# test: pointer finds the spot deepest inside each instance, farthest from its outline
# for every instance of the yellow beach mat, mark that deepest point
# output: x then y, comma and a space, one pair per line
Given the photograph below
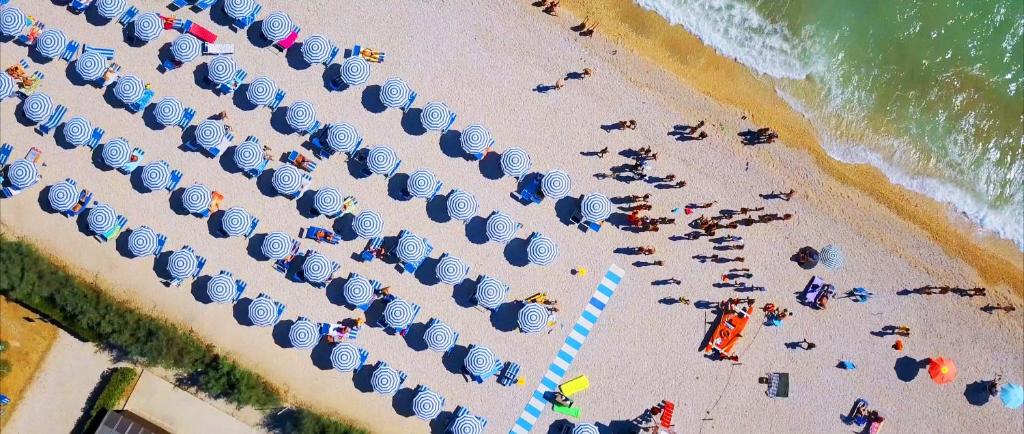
571, 387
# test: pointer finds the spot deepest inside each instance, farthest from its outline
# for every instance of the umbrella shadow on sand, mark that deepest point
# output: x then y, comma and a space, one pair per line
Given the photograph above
908, 367
977, 393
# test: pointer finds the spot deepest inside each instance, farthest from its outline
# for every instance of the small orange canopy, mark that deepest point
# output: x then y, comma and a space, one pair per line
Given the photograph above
941, 370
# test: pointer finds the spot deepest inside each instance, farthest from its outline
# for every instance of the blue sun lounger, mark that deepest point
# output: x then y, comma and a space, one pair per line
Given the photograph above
5, 154
137, 106
227, 88
202, 5
128, 16
95, 138
179, 4
79, 6
69, 51
175, 179
119, 225
373, 244
530, 193
246, 21
84, 199
161, 240
55, 119
133, 161
278, 99
186, 117
283, 265
107, 53
240, 286
509, 374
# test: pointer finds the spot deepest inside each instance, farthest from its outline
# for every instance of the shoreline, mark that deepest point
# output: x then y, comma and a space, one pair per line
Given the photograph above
644, 32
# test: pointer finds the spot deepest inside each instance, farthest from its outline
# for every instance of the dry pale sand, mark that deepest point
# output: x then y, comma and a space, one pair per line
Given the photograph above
484, 59
161, 402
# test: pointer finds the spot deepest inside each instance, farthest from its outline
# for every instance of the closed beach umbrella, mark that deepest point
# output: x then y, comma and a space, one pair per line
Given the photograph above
533, 318
287, 180
221, 69
236, 221
142, 241
316, 49
51, 43
148, 26
421, 183
129, 89
358, 290
385, 380
451, 270
77, 130
831, 256
394, 92
7, 86
355, 71
368, 224
263, 311
276, 26
345, 357
37, 107
411, 248
435, 116
556, 184
301, 115
398, 314
12, 21
261, 91
22, 174
156, 175
490, 292
541, 250
479, 361
475, 139
439, 336
102, 218
186, 48
1011, 395
276, 246
182, 264
237, 9
515, 162
596, 207
462, 205
382, 160
427, 404
342, 137
941, 370
501, 228
585, 428
111, 9
168, 111
467, 424
328, 201
221, 288
62, 196
303, 334
116, 153
90, 65
248, 155
317, 268
197, 198
210, 133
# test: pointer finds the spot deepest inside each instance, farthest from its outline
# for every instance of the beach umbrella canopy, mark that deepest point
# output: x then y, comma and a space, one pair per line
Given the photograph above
596, 207
12, 21
276, 26
490, 292
451, 270
345, 357
411, 248
221, 288
156, 175
475, 139
556, 184
129, 89
197, 198
1011, 395
501, 228
210, 133
316, 49
168, 111
427, 404
51, 43
148, 26
248, 155
941, 370
398, 314
101, 218
479, 361
462, 205
533, 318
515, 162
422, 183
38, 107
301, 115
238, 9
846, 364
221, 69
436, 116
287, 180
22, 174
263, 311
317, 268
585, 428
62, 196
111, 9
368, 224
276, 246
90, 65
832, 256
182, 264
142, 241
382, 160
261, 91
439, 336
328, 201
7, 86
116, 153
467, 424
304, 334
358, 290
186, 48
355, 71
342, 137
385, 380
394, 92
541, 250
77, 130
236, 221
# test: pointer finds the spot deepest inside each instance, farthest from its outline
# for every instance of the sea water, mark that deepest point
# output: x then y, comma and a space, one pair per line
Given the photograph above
927, 91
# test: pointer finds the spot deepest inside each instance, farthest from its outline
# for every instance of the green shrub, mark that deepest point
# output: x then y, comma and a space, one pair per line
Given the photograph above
120, 380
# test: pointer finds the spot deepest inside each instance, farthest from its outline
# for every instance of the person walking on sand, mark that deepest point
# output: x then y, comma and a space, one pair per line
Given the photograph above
683, 300
693, 129
587, 72
560, 83
552, 8
807, 345
623, 125
602, 152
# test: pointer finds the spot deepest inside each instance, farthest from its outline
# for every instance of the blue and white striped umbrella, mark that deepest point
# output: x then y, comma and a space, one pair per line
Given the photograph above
239, 8
116, 153
462, 205
22, 174
467, 424
101, 218
77, 131
12, 21
142, 241
427, 404
63, 195
316, 49
304, 334
301, 115
385, 380
358, 290
479, 361
490, 292
129, 89
382, 160
342, 137
355, 71
38, 107
148, 26
345, 357
168, 111
435, 116
596, 207
287, 180
156, 175
439, 336
51, 43
263, 311
501, 228
533, 318
197, 198
475, 139
248, 155
210, 133
7, 86
276, 246
394, 92
422, 183
831, 256
328, 201
541, 250
236, 221
91, 65
556, 184
411, 248
451, 270
368, 224
515, 162
261, 91
111, 9
186, 48
585, 428
221, 69
276, 26
221, 288
317, 268
398, 314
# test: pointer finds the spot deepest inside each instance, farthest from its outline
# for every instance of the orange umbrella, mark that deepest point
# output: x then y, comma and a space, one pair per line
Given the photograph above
941, 370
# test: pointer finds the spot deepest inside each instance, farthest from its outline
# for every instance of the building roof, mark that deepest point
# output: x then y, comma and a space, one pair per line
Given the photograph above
126, 422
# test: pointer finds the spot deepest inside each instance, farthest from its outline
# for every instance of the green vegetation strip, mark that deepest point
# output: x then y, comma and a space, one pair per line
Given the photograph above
121, 379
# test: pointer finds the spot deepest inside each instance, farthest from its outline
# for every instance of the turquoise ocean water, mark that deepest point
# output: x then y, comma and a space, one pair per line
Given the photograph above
927, 91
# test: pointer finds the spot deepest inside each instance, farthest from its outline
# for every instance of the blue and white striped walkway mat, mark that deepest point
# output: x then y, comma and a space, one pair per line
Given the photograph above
572, 345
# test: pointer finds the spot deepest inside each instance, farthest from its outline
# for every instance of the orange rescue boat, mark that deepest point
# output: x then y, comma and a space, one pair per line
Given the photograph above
730, 327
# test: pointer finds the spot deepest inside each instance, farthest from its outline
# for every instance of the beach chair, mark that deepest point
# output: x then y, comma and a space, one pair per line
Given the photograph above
371, 56
289, 40
509, 374
530, 193
239, 290
175, 179
229, 87
283, 265
854, 416
321, 235
161, 240
133, 161
69, 51
202, 5
169, 65
778, 385
179, 4
574, 386
373, 244
34, 154
107, 53
137, 106
301, 161
218, 49
5, 154
215, 200
55, 119
812, 291
248, 20
128, 16
37, 82
119, 225
95, 138
278, 99
84, 199
186, 117
201, 33
35, 28
79, 6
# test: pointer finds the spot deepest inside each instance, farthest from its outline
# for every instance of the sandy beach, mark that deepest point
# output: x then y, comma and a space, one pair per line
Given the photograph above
484, 59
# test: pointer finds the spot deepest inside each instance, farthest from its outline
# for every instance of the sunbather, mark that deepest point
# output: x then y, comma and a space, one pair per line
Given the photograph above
303, 163
111, 74
370, 55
